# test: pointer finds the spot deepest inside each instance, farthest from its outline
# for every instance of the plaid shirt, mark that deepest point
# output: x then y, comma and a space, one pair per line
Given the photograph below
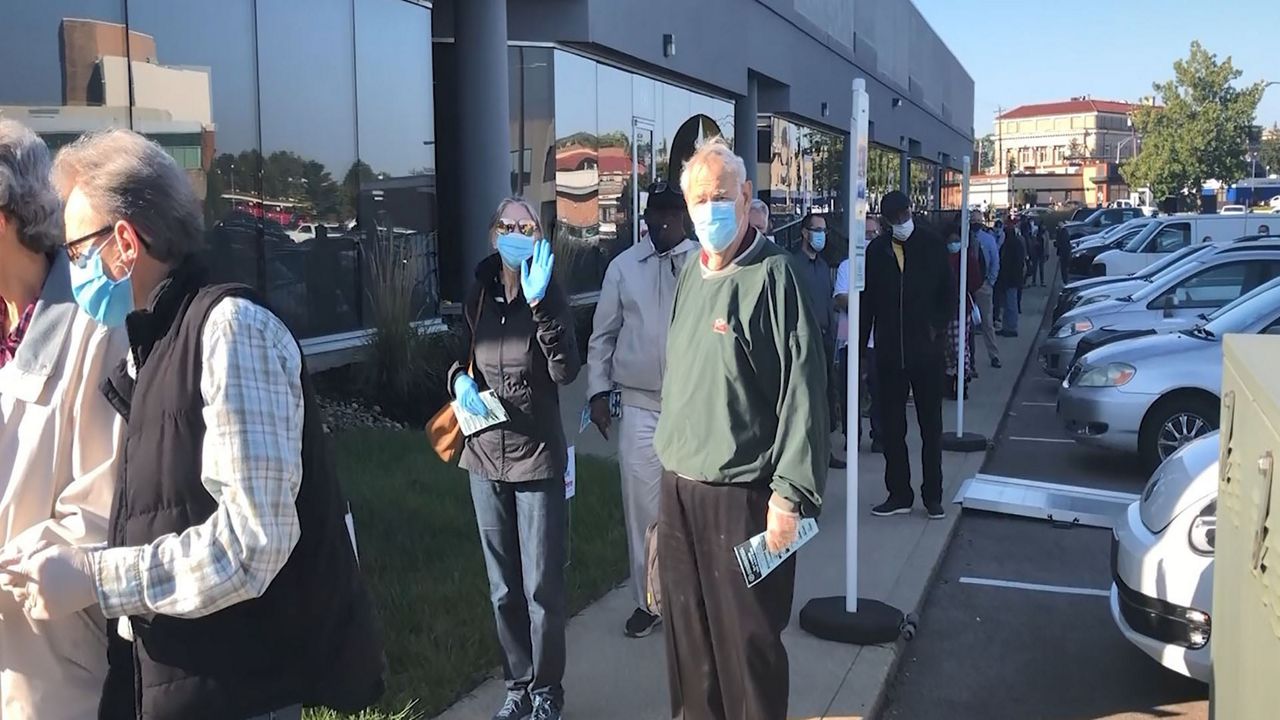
10, 339
251, 382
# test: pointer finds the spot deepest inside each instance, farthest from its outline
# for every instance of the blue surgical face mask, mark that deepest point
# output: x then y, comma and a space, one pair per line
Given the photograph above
953, 247
817, 239
515, 249
716, 224
103, 299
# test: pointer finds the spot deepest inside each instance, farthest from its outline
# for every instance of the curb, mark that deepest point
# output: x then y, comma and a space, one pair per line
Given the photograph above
891, 670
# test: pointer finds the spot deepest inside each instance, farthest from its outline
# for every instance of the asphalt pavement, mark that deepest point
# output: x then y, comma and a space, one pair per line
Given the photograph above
988, 650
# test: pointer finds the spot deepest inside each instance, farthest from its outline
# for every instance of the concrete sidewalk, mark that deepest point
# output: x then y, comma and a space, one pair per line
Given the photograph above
611, 677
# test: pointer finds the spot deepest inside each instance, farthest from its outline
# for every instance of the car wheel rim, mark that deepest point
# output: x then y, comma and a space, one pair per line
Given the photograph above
1179, 430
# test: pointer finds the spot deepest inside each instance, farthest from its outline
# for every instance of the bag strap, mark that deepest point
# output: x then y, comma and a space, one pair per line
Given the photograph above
471, 357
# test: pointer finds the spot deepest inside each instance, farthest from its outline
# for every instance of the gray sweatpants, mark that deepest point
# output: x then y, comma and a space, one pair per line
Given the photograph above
641, 487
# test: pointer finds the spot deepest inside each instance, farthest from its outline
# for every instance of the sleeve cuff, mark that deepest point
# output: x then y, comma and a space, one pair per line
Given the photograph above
117, 580
793, 495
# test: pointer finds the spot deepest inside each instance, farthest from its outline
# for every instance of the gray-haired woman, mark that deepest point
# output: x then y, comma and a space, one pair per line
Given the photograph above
525, 349
58, 437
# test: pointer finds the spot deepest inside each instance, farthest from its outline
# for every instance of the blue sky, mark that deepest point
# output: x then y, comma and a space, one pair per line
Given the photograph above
1021, 52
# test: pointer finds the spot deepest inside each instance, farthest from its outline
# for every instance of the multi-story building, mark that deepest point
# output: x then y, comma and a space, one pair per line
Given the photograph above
1034, 137
320, 132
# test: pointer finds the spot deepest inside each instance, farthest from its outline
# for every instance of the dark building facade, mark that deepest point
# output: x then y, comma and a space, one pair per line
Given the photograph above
339, 143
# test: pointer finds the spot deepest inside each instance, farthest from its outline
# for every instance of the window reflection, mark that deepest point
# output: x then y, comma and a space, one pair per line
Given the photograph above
799, 168
923, 180
884, 168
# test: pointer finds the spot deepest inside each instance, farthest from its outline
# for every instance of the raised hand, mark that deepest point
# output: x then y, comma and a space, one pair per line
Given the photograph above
535, 274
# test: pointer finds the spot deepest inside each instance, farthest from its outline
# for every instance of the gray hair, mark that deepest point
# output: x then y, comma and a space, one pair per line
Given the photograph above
502, 207
125, 176
26, 196
715, 148
758, 205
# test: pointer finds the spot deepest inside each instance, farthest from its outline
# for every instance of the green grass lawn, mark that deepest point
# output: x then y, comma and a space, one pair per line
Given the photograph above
420, 553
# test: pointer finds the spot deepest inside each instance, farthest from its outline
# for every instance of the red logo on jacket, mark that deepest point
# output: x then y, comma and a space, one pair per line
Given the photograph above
720, 326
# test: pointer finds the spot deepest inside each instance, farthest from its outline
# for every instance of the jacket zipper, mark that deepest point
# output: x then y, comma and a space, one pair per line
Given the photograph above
902, 325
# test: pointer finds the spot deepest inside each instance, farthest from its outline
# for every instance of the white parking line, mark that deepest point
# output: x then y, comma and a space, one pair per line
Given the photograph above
1040, 404
1060, 589
1045, 440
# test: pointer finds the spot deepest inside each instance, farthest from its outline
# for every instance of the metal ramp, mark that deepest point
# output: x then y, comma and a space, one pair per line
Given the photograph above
1045, 501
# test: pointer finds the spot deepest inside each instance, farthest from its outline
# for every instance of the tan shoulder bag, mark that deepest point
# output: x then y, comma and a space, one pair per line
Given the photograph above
443, 431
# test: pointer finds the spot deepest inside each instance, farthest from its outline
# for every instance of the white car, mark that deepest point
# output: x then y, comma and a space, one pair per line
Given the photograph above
1274, 203
1162, 562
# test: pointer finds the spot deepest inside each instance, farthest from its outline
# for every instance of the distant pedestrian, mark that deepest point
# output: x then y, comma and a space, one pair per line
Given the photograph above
1035, 254
518, 342
907, 304
989, 259
815, 275
758, 217
955, 327
867, 365
1063, 245
744, 440
1013, 258
627, 354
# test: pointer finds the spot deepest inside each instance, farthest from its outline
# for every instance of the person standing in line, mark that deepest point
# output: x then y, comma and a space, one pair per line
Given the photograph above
1035, 254
59, 437
867, 365
1063, 246
520, 324
954, 327
989, 254
1013, 260
908, 301
758, 217
229, 573
816, 276
744, 440
628, 353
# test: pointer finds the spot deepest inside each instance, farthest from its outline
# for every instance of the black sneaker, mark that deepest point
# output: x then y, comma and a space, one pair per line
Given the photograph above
891, 507
641, 623
516, 707
544, 708
995, 363
935, 511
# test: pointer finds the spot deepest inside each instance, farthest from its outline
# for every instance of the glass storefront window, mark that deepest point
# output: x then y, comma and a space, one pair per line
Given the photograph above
922, 183
884, 168
803, 169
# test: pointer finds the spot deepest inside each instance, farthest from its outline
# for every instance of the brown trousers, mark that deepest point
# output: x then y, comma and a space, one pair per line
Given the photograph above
725, 658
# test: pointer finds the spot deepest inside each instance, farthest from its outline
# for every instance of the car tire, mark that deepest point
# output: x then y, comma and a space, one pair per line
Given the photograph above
1173, 422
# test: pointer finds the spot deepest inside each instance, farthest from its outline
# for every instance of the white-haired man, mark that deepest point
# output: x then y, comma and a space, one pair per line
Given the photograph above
229, 576
744, 440
758, 217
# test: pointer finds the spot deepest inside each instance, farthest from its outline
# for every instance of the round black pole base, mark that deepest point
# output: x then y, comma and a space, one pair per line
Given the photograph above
966, 443
875, 623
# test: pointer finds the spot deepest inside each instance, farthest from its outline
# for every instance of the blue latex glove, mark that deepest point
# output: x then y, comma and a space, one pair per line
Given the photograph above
535, 275
468, 395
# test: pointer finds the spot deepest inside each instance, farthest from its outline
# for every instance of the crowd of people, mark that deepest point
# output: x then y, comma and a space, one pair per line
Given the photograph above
176, 543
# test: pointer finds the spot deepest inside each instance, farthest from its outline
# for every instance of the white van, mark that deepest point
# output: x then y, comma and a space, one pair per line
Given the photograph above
1171, 233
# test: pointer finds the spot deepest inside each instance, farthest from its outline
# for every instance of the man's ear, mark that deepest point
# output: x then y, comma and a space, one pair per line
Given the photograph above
749, 192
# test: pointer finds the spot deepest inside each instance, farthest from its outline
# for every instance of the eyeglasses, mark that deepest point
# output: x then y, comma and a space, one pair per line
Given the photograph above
662, 186
78, 250
506, 226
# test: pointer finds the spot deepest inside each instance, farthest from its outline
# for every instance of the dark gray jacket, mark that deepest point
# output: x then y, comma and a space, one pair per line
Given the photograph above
523, 354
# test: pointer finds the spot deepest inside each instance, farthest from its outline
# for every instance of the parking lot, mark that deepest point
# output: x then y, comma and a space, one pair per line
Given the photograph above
990, 646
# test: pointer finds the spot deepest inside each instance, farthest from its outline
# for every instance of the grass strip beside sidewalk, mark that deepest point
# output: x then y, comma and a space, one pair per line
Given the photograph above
420, 552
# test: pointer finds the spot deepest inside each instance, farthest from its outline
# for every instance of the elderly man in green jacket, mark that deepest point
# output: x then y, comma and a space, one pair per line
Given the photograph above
744, 440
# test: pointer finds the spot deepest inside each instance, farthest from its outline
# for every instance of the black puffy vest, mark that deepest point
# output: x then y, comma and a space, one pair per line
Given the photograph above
311, 638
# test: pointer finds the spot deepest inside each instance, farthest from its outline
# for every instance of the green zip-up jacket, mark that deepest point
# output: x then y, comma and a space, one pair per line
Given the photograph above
744, 396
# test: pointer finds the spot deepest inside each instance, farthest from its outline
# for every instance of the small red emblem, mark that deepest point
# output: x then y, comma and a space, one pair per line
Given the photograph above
720, 326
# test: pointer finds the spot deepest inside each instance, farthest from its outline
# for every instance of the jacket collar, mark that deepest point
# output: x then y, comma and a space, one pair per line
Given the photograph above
683, 247
42, 346
148, 325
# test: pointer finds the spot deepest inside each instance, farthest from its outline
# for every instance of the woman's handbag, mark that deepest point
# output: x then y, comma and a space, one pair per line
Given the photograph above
443, 431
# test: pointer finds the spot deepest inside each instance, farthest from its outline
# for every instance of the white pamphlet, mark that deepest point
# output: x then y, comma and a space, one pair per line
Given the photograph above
757, 561
472, 424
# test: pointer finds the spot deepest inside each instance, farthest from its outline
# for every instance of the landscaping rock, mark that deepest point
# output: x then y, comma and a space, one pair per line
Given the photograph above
342, 415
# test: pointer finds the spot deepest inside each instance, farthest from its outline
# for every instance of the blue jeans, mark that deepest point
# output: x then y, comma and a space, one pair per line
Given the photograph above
1010, 310
522, 532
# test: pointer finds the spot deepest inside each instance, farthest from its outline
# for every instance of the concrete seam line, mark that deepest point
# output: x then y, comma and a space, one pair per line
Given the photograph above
844, 679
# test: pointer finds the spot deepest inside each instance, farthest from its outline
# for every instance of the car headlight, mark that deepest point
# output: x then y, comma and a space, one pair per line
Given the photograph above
1204, 528
1074, 327
1110, 375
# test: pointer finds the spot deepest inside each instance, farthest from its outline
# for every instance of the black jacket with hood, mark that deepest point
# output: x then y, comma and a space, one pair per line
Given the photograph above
523, 354
907, 309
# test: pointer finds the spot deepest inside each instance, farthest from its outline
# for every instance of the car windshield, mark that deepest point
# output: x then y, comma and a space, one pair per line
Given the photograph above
1135, 245
1157, 269
1263, 301
1161, 282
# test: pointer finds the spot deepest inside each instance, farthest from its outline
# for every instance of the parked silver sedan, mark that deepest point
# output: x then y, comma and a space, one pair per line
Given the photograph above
1170, 301
1154, 394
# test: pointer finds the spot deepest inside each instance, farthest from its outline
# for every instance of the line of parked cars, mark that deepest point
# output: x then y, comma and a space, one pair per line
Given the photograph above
1137, 344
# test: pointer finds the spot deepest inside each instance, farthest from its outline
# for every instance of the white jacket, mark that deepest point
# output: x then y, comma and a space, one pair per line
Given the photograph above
59, 440
628, 347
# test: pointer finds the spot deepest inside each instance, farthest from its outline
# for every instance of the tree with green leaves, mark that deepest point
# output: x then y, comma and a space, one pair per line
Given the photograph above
1076, 150
1269, 151
1200, 133
985, 150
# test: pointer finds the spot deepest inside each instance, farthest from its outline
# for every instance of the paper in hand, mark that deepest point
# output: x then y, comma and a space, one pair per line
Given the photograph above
755, 559
472, 424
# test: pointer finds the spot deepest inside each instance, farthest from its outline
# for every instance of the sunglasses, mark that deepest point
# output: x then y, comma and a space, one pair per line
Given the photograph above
506, 226
662, 186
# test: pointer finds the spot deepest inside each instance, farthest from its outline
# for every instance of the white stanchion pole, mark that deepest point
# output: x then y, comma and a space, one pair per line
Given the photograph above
964, 295
848, 619
857, 214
